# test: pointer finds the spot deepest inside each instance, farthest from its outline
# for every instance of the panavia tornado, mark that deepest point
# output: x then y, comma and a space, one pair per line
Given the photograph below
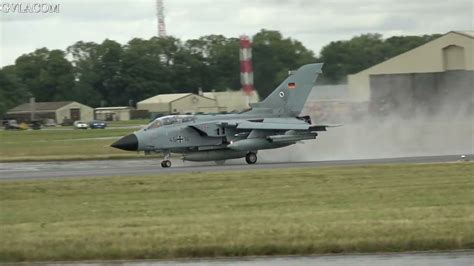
270, 124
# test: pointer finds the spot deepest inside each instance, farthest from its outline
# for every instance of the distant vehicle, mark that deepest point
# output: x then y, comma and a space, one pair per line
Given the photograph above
270, 124
67, 122
11, 124
80, 125
97, 124
49, 122
35, 124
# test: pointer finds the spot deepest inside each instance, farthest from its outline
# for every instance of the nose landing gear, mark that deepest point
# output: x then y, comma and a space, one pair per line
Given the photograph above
166, 163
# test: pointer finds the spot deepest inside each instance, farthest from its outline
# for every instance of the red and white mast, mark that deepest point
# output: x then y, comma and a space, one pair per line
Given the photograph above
246, 70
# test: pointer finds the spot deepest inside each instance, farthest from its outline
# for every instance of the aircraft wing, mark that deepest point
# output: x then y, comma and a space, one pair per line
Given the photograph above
208, 128
272, 126
282, 126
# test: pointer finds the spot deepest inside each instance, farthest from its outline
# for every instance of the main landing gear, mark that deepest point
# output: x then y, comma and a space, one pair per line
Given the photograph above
166, 163
251, 158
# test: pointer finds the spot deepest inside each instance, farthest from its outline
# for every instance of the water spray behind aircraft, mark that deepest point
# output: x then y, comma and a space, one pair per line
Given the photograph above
372, 136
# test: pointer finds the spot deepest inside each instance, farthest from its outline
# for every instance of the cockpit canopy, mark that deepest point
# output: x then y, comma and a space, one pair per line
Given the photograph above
170, 120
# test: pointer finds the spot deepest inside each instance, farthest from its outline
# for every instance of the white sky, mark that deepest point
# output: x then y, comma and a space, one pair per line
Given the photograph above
313, 22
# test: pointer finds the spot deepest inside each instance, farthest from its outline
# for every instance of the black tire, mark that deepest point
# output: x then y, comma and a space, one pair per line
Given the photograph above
251, 158
167, 163
163, 164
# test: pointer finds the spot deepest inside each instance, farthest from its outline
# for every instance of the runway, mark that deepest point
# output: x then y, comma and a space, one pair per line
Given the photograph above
461, 258
101, 168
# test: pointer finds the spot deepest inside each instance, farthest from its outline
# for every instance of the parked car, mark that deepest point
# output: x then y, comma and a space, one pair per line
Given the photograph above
97, 124
11, 124
49, 122
80, 125
67, 122
35, 124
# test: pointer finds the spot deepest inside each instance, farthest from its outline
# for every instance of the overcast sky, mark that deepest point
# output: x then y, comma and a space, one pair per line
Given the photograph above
313, 22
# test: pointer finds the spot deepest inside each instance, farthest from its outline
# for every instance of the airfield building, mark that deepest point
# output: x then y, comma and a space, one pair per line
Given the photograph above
181, 103
51, 110
118, 113
429, 78
207, 102
230, 101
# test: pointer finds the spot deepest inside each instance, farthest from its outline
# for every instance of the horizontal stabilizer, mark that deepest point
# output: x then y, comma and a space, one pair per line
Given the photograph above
321, 127
317, 128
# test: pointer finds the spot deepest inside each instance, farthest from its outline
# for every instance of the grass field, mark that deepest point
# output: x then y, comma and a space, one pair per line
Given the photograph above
265, 212
59, 144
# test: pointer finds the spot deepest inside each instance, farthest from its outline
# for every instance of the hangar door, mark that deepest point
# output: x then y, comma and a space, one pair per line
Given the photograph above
75, 114
453, 57
428, 93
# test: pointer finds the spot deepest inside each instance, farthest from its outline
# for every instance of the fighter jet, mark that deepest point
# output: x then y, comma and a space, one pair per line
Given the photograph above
270, 124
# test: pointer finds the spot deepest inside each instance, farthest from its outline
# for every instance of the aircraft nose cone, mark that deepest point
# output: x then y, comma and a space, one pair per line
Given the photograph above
127, 143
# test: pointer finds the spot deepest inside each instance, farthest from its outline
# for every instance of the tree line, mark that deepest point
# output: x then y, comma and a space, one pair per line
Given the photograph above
111, 74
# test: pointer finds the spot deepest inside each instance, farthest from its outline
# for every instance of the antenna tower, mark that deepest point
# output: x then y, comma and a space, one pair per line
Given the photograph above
161, 18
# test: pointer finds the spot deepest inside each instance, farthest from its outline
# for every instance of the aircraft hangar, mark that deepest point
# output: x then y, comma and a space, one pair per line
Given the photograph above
163, 104
59, 111
206, 102
424, 79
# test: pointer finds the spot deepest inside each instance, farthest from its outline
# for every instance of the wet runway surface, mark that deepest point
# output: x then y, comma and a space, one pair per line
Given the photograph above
72, 169
455, 258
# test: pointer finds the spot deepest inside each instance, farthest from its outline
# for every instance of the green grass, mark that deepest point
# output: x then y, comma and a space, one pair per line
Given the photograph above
265, 212
33, 145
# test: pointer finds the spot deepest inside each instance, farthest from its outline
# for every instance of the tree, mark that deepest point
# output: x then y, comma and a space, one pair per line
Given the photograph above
348, 57
109, 73
273, 57
48, 75
85, 61
12, 91
146, 67
98, 72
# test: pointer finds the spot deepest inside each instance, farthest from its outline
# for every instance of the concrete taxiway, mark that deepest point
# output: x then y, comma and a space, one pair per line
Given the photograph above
78, 169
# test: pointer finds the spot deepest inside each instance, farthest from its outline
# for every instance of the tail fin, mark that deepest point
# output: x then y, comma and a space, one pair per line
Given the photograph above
290, 96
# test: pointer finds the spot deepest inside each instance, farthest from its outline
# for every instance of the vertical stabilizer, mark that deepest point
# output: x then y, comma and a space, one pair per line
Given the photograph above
289, 97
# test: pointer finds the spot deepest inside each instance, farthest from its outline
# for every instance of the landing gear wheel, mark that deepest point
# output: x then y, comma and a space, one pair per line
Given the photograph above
166, 164
251, 158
